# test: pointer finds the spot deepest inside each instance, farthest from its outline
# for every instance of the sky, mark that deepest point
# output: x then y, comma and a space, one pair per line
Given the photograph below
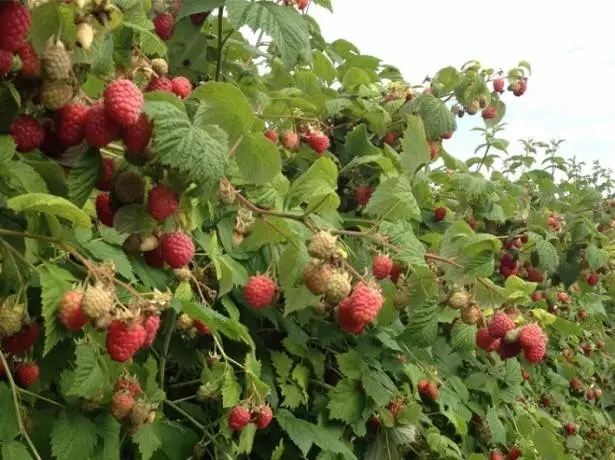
570, 45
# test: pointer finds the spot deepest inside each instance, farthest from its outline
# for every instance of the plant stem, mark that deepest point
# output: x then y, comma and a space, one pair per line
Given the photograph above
42, 398
252, 207
186, 415
220, 43
165, 348
482, 161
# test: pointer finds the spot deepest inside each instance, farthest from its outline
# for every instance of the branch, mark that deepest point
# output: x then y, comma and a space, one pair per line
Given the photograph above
220, 44
252, 207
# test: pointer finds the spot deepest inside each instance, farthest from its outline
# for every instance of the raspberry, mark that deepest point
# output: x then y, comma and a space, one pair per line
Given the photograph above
315, 276
99, 129
30, 62
367, 302
319, 142
362, 194
137, 136
22, 341
2, 371
396, 272
140, 413
97, 301
56, 94
129, 384
389, 138
181, 87
259, 292
458, 300
69, 123
177, 249
338, 287
322, 245
290, 140
262, 417
122, 403
531, 336
429, 390
201, 327
104, 211
346, 319
6, 62
154, 258
27, 374
151, 326
509, 350
106, 173
498, 85
238, 417
70, 313
124, 340
471, 314
484, 341
162, 202
129, 187
198, 19
56, 61
164, 25
439, 214
570, 429
27, 133
496, 455
302, 4
123, 101
160, 84
15, 22
593, 279
500, 325
489, 113
11, 317
536, 353
272, 135
382, 266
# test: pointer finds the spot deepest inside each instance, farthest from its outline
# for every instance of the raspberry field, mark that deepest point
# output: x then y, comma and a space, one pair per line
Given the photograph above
223, 237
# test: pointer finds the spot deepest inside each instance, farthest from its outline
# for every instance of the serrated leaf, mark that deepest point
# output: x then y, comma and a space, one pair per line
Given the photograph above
316, 187
197, 6
595, 257
102, 251
282, 364
51, 205
547, 255
14, 450
349, 364
148, 440
496, 427
83, 177
217, 322
89, 376
73, 436
377, 385
133, 218
298, 298
231, 389
346, 401
394, 200
416, 150
258, 159
9, 428
55, 281
401, 234
109, 433
463, 336
423, 327
246, 439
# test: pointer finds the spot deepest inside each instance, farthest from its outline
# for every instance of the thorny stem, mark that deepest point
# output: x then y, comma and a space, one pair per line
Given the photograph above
20, 423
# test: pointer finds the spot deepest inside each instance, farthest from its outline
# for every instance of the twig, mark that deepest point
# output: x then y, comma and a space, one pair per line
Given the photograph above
42, 398
186, 415
252, 207
220, 44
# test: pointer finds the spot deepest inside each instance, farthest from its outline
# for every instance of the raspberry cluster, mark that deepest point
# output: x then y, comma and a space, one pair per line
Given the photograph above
318, 141
128, 404
361, 307
240, 415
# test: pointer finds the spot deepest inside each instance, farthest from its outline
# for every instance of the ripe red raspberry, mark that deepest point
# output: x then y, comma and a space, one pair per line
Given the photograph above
319, 142
122, 403
23, 341
181, 87
429, 390
362, 194
69, 123
439, 214
347, 320
496, 455
396, 272
536, 353
100, 130
389, 138
30, 62
6, 62
15, 22
160, 84
489, 113
164, 25
367, 302
201, 327
27, 133
70, 313
382, 266
198, 19
509, 350
570, 429
484, 341
123, 101
154, 258
302, 4
290, 140
106, 173
104, 211
263, 416
501, 323
137, 136
27, 374
520, 88
259, 292
238, 417
151, 326
593, 279
129, 384
177, 249
531, 336
124, 340
272, 135
498, 85
162, 202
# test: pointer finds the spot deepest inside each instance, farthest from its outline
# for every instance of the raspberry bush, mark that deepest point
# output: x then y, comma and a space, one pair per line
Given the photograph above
216, 248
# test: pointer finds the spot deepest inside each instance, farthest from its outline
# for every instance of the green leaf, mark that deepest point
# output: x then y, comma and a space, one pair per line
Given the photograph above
377, 385
55, 281
394, 200
103, 251
73, 436
217, 322
416, 149
463, 336
7, 148
498, 432
423, 327
298, 298
517, 290
437, 118
346, 401
595, 257
197, 6
89, 375
258, 159
349, 364
316, 187
401, 235
9, 428
282, 364
133, 218
231, 389
46, 21
109, 432
83, 176
323, 67
14, 450
547, 254
51, 205
246, 439
148, 440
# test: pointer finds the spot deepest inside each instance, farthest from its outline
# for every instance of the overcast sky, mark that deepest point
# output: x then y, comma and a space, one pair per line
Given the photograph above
570, 45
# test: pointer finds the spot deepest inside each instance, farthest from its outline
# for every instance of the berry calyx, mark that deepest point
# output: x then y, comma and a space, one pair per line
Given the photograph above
259, 292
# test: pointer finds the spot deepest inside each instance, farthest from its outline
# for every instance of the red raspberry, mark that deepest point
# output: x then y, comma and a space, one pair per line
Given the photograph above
489, 113
521, 88
396, 272
69, 123
154, 258
122, 403
104, 212
162, 202
177, 249
570, 429
124, 340
2, 371
508, 260
362, 194
70, 313
198, 19
30, 62
160, 84
389, 138
500, 325
238, 417
272, 135
137, 136
6, 62
259, 291
498, 85
100, 130
27, 133
531, 336
27, 374
129, 384
514, 453
484, 341
181, 87
106, 173
302, 4
290, 140
593, 279
164, 25
536, 353
52, 146
123, 101
22, 341
509, 350
496, 455
439, 214
151, 325
319, 142
429, 390
366, 303
382, 266
201, 327
347, 320
15, 22
262, 417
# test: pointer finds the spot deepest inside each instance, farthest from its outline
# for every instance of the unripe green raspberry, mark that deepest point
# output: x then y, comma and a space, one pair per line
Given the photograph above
56, 62
160, 66
12, 315
97, 301
56, 94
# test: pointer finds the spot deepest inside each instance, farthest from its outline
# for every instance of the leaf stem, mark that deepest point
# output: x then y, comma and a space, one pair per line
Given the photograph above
186, 415
42, 398
220, 43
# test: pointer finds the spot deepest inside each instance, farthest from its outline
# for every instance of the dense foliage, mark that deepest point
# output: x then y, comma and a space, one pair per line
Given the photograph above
216, 248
